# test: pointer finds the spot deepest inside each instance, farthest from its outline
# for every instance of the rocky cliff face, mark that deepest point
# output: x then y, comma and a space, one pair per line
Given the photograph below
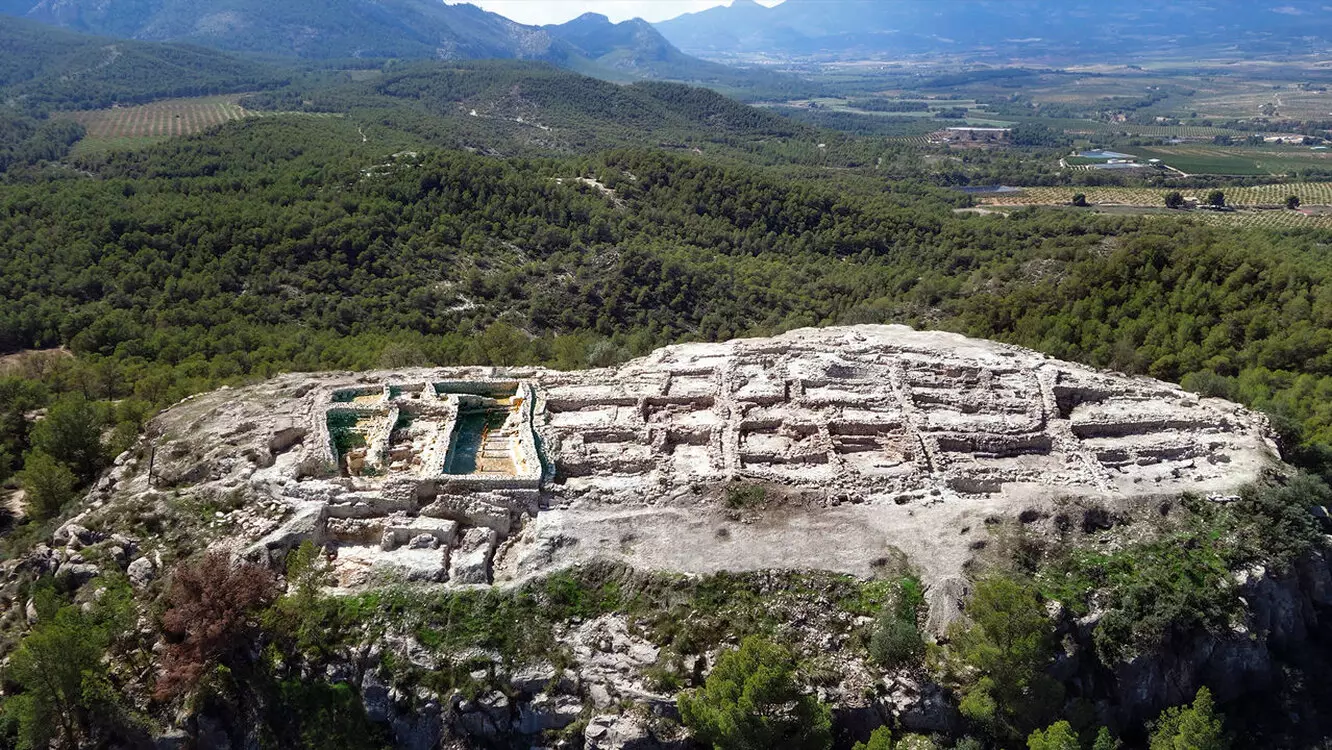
1285, 611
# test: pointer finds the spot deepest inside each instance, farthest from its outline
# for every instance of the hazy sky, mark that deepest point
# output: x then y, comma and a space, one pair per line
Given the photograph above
559, 11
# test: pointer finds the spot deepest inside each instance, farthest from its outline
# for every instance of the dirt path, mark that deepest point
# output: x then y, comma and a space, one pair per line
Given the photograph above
937, 538
38, 360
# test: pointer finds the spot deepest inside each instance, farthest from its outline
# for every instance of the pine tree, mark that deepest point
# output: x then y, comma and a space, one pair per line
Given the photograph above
1058, 736
1196, 727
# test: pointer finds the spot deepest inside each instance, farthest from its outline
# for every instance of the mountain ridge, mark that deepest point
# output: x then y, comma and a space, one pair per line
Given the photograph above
859, 28
635, 49
409, 29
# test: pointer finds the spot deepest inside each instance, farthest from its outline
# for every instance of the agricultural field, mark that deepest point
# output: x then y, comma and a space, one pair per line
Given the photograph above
129, 127
910, 140
1190, 132
1315, 197
1237, 161
1198, 159
1286, 101
1309, 193
976, 115
1264, 219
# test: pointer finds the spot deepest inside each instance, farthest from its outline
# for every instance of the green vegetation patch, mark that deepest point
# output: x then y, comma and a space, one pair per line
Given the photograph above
1235, 161
342, 432
685, 616
1183, 579
107, 144
1205, 160
313, 714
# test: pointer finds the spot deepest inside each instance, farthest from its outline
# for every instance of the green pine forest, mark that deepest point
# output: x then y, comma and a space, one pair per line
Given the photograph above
288, 244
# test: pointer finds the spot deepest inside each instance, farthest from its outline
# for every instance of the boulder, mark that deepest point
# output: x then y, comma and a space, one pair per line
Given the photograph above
375, 697
478, 726
423, 541
545, 713
141, 572
921, 707
497, 706
600, 695
74, 535
946, 598
535, 678
42, 560
625, 731
78, 573
309, 523
472, 557
171, 739
422, 729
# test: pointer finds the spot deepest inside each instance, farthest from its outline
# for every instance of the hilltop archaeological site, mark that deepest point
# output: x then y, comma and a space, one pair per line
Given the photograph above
831, 449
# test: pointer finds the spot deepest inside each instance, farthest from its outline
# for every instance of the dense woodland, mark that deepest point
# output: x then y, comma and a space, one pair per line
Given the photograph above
47, 69
417, 220
287, 243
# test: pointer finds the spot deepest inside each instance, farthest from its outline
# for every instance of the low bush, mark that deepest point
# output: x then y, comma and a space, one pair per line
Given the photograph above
896, 641
211, 610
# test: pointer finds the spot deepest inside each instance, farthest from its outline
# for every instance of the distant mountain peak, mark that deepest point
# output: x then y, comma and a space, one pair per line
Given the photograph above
593, 20
590, 44
407, 29
590, 17
629, 45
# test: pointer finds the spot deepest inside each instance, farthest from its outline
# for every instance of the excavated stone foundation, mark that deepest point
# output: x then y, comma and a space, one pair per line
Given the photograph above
864, 444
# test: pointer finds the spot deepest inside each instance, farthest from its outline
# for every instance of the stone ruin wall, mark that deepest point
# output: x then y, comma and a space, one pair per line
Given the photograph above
440, 526
866, 415
880, 421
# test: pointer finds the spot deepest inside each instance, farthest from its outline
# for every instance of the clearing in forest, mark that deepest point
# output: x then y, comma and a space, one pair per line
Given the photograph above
122, 127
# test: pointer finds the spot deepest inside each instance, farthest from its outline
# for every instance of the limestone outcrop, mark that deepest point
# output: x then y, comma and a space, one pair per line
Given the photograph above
834, 448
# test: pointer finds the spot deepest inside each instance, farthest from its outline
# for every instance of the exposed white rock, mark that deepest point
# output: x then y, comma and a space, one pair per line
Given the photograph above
546, 712
865, 442
141, 572
471, 560
619, 732
532, 679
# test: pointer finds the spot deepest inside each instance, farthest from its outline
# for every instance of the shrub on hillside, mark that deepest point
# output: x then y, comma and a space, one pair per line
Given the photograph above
752, 700
210, 609
896, 641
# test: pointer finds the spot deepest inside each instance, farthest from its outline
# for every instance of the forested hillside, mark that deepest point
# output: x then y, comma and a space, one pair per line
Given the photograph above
24, 140
341, 29
289, 243
520, 108
45, 68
